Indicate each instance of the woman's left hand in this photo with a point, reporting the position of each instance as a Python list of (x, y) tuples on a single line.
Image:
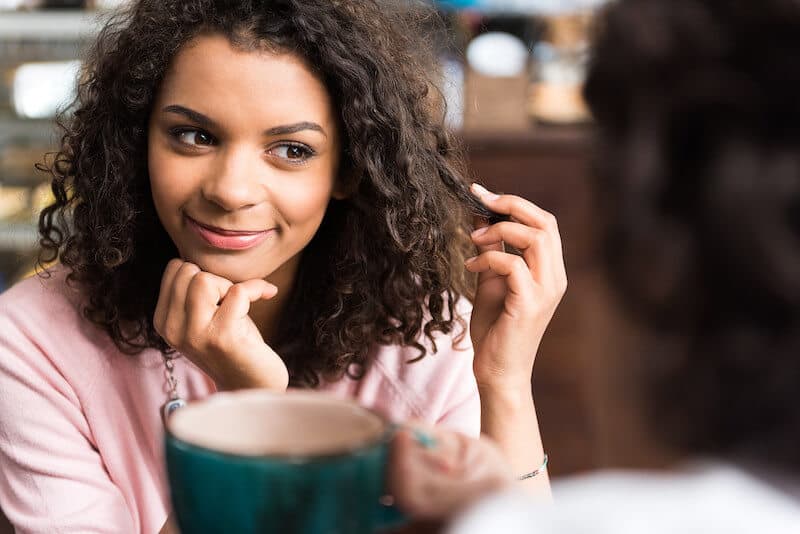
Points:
[(448, 472), (517, 295)]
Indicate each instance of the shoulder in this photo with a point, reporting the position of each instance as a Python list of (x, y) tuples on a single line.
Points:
[(36, 297), (43, 306), (44, 330), (697, 500)]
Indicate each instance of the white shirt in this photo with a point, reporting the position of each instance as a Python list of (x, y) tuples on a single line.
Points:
[(703, 498)]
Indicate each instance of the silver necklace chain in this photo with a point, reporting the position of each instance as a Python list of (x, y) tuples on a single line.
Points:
[(174, 400), (169, 376)]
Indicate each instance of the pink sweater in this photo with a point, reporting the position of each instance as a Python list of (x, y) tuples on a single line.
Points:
[(80, 427)]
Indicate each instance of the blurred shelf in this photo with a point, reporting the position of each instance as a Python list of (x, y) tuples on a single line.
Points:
[(34, 179), (18, 236), (43, 35), (524, 8), (538, 138), (15, 128), (49, 24)]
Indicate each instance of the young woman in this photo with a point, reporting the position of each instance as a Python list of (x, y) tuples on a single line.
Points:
[(258, 194)]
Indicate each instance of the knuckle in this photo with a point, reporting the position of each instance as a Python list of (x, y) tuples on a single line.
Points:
[(174, 264), (201, 281), (504, 226), (516, 200), (536, 236), (203, 277), (189, 269), (236, 291)]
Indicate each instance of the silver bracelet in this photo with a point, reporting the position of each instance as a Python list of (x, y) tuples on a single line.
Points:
[(538, 471)]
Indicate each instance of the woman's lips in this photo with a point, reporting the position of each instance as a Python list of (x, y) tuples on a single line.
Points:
[(228, 239)]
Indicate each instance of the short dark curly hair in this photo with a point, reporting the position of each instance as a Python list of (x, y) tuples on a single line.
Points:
[(386, 266), (699, 165)]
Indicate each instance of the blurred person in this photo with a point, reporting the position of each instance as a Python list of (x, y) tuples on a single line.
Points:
[(699, 186)]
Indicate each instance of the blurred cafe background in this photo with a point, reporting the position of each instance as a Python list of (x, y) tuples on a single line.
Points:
[(512, 73)]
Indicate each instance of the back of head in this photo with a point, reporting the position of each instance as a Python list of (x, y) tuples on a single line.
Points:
[(699, 177)]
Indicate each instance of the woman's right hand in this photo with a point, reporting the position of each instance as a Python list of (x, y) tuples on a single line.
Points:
[(205, 318)]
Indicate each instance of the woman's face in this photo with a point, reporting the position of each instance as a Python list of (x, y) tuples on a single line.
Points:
[(243, 153)]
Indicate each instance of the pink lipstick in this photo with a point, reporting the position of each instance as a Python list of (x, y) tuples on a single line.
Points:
[(228, 239)]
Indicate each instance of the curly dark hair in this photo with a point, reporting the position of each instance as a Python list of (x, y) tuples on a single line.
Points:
[(396, 245), (699, 166)]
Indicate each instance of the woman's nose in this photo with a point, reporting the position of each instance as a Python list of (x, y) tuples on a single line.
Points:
[(235, 183)]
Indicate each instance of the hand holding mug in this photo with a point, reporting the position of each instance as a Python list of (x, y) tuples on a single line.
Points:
[(436, 477)]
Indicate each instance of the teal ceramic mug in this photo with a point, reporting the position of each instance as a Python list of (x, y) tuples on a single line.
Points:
[(259, 462)]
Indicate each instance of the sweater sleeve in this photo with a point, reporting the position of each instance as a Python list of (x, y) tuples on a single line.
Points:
[(52, 478), (463, 412), (462, 409)]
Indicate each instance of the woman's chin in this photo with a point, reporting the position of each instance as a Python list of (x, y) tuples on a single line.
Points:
[(234, 269)]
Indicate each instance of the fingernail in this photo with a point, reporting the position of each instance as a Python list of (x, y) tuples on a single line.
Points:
[(470, 260), (482, 192), (480, 231), (424, 440)]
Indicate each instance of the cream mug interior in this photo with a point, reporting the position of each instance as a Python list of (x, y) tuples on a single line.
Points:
[(255, 423), (255, 461)]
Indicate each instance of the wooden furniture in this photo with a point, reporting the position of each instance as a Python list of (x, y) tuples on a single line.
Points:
[(551, 167)]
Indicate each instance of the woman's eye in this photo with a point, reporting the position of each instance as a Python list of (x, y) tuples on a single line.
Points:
[(194, 137), (292, 153)]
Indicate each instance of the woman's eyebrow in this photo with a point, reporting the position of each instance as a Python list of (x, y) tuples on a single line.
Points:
[(206, 122), (194, 116), (294, 128)]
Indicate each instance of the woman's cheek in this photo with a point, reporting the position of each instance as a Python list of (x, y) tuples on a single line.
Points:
[(305, 201)]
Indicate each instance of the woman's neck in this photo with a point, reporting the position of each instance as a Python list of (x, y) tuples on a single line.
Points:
[(266, 314)]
